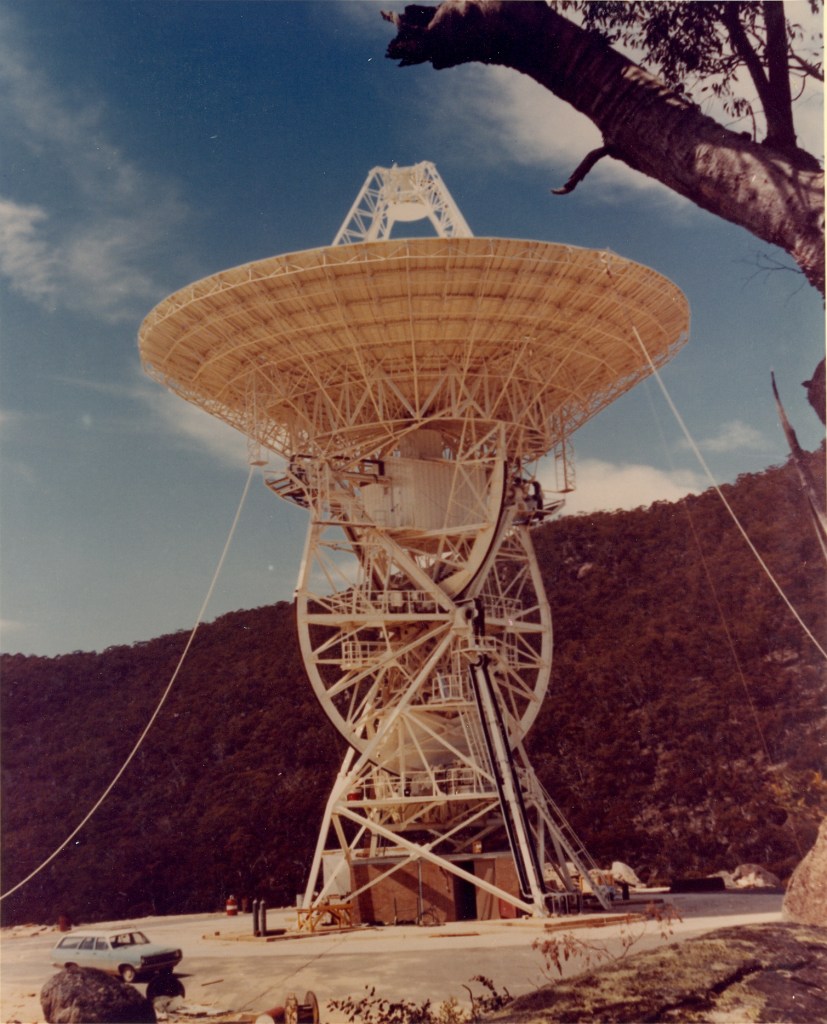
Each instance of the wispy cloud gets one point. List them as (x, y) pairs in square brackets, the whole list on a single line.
[(25, 258), (501, 115), (191, 426), (147, 407), (83, 235), (9, 628), (364, 16), (733, 436), (608, 486)]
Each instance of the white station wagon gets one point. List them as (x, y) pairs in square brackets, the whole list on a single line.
[(128, 953)]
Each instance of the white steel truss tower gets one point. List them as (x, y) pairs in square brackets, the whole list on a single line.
[(411, 385)]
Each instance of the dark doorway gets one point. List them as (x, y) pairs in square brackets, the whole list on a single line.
[(465, 894)]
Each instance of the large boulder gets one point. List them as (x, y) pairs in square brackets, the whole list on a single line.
[(82, 995), (806, 898), (768, 972), (623, 873), (753, 876)]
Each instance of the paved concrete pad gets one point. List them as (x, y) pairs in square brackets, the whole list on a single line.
[(226, 967)]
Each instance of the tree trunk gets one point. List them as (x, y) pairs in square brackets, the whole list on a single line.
[(777, 196)]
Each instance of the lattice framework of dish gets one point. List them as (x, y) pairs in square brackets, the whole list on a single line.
[(335, 351)]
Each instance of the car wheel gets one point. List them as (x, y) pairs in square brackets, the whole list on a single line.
[(127, 972)]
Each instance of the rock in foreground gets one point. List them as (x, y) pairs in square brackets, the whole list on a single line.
[(806, 899), (755, 973), (82, 995)]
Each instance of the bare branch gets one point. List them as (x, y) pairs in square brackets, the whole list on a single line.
[(811, 492), (807, 67), (582, 169)]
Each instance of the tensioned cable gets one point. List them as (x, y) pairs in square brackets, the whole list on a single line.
[(702, 461), (259, 997), (722, 496), (713, 590), (725, 625), (160, 704), (737, 660)]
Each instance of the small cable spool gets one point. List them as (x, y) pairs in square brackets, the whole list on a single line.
[(293, 1012)]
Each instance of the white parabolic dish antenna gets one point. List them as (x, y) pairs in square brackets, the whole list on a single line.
[(336, 351), (410, 384)]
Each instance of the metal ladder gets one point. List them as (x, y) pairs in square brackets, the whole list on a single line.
[(476, 745), (562, 834)]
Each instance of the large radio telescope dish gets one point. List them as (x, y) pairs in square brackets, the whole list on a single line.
[(409, 384), (335, 351)]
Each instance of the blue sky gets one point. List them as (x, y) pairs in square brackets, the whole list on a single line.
[(147, 144)]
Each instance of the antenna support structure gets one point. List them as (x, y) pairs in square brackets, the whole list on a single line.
[(410, 387)]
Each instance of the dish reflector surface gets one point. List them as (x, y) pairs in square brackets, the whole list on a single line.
[(338, 351)]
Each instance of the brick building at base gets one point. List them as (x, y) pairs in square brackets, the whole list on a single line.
[(422, 889)]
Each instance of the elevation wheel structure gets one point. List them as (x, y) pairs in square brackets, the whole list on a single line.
[(368, 656), (385, 628), (410, 386)]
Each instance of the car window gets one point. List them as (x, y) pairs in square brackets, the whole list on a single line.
[(70, 942), (87, 944), (101, 944), (139, 938)]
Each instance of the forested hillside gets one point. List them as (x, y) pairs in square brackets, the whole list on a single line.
[(683, 731)]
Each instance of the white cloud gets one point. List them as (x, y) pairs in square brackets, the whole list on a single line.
[(183, 424), (364, 15), (8, 626), (84, 233), (502, 114), (193, 426), (25, 259), (604, 485), (733, 436)]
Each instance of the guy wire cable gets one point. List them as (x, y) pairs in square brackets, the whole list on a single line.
[(130, 757), (771, 761), (726, 504), (720, 493)]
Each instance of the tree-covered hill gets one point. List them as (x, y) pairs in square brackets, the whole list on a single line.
[(683, 731)]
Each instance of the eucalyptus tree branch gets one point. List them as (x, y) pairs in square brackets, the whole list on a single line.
[(775, 194), (582, 169)]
